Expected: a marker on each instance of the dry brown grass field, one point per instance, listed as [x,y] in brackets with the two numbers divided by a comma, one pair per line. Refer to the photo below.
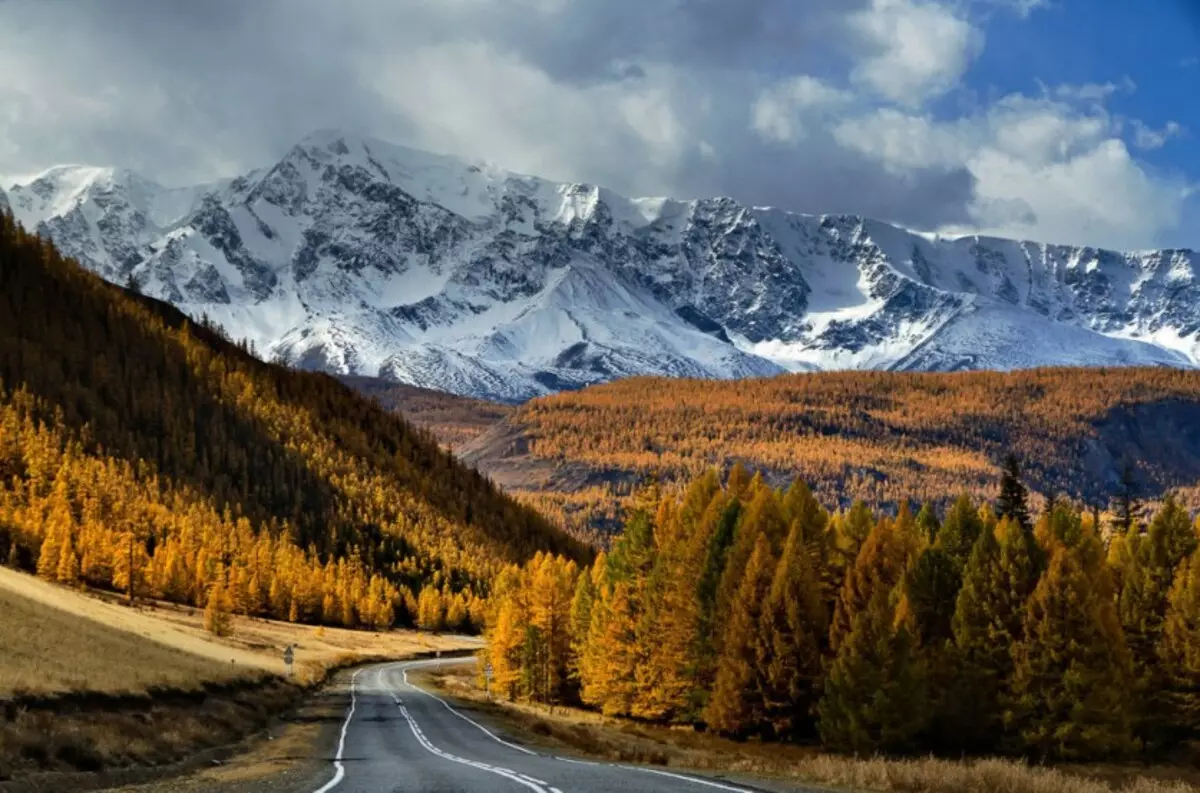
[589,734]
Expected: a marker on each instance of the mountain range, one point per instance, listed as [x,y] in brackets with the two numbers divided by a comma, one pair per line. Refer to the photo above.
[359,257]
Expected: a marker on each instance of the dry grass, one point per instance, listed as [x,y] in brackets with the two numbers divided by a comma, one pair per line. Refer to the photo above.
[57,640]
[590,734]
[49,650]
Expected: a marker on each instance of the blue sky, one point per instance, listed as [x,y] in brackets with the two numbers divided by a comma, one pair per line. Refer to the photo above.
[1072,121]
[1155,44]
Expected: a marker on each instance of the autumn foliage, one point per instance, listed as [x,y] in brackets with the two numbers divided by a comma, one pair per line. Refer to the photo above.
[878,437]
[756,612]
[148,454]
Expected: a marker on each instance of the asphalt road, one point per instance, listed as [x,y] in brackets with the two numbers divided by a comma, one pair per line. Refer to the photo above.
[398,738]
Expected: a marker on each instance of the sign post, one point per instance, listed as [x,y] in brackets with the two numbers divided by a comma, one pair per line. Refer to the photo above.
[487,680]
[288,657]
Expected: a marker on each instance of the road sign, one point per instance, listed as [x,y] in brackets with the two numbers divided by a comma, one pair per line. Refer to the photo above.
[289,656]
[487,670]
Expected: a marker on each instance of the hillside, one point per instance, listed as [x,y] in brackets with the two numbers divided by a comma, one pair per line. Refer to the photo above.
[453,420]
[356,256]
[130,435]
[874,436]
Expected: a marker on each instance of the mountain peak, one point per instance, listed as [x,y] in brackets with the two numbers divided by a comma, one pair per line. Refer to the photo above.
[360,256]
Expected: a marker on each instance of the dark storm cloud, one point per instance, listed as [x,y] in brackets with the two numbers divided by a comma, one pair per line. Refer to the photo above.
[190,90]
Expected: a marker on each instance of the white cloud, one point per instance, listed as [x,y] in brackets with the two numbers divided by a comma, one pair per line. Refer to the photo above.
[918,50]
[1094,92]
[1043,170]
[1023,8]
[1146,137]
[780,111]
[824,110]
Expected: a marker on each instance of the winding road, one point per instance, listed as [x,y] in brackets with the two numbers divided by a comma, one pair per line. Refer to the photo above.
[402,739]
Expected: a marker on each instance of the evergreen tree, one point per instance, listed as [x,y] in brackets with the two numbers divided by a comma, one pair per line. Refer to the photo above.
[927,524]
[960,530]
[878,567]
[874,696]
[218,612]
[1179,653]
[1013,502]
[737,705]
[930,591]
[794,626]
[1147,582]
[1127,501]
[1072,669]
[738,483]
[763,517]
[988,620]
[582,603]
[720,520]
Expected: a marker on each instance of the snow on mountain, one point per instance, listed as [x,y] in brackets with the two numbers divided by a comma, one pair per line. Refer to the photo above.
[360,257]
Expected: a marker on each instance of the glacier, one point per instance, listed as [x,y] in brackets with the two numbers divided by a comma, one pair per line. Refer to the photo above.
[355,256]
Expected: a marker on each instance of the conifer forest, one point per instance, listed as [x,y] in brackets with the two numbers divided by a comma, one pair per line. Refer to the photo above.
[755,612]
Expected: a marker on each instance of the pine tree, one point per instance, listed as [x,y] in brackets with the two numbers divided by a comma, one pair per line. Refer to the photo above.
[738,483]
[988,620]
[930,591]
[1127,501]
[762,518]
[879,566]
[1179,653]
[549,596]
[720,520]
[47,565]
[794,625]
[1013,502]
[875,698]
[960,530]
[737,705]
[218,612]
[67,570]
[1147,581]
[430,610]
[1072,669]
[611,656]
[927,524]
[582,604]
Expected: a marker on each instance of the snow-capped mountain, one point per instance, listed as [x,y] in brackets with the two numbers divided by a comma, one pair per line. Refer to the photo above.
[361,257]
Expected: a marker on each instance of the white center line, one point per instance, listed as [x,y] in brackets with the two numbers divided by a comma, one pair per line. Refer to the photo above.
[339,770]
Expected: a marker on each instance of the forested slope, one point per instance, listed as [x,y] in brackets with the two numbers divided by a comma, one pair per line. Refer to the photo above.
[877,436]
[130,436]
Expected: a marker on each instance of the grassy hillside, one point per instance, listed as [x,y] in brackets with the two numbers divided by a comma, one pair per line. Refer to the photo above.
[49,650]
[876,436]
[134,443]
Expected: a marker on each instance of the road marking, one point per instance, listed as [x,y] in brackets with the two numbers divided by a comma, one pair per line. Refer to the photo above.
[468,719]
[339,770]
[520,779]
[681,777]
[696,780]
